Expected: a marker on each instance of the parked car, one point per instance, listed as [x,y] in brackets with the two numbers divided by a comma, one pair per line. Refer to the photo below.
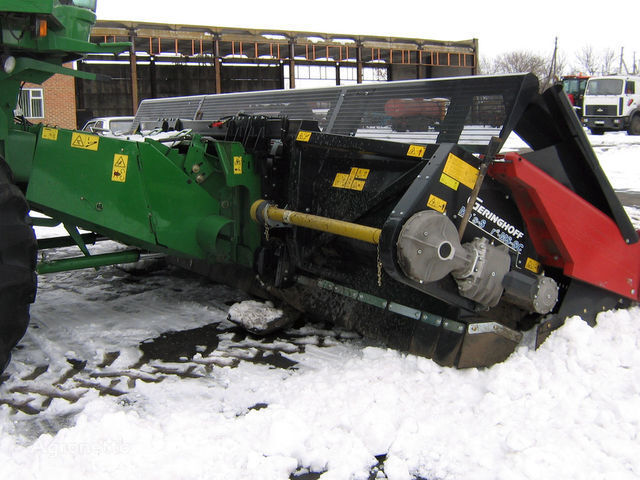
[109,125]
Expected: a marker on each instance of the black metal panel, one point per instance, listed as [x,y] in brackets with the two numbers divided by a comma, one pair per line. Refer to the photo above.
[492,211]
[474,108]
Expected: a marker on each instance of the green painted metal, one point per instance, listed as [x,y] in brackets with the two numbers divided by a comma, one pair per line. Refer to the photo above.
[44,222]
[148,195]
[59,242]
[94,261]
[192,200]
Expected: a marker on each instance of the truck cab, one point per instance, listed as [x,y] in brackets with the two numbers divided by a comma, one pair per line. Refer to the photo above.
[612,103]
[574,86]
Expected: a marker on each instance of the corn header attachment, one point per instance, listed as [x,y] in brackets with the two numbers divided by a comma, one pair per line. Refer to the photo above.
[391,208]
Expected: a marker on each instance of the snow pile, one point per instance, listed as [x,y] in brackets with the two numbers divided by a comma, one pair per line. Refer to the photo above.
[569,410]
[254,316]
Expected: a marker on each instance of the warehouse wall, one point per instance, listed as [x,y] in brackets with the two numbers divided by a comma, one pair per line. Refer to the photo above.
[59,101]
[111,95]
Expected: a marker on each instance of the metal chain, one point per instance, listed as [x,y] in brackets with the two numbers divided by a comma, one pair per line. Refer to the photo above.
[266,231]
[379,265]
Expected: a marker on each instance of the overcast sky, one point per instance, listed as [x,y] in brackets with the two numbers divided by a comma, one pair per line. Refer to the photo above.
[500,26]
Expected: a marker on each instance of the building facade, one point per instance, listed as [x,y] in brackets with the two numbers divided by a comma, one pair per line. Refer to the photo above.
[52,103]
[180,60]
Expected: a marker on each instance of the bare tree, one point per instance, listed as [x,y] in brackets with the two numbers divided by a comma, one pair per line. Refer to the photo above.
[486,66]
[607,61]
[587,61]
[596,63]
[521,62]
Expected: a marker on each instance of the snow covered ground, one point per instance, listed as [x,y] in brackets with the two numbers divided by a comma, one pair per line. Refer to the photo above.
[102,388]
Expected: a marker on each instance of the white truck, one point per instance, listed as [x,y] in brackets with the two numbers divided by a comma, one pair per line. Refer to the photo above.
[612,103]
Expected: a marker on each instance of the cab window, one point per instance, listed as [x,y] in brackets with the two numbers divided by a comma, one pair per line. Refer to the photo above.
[90,4]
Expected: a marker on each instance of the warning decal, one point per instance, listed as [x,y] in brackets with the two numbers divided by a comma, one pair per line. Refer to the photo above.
[84,141]
[532,265]
[303,136]
[237,165]
[461,171]
[449,182]
[119,171]
[354,180]
[416,151]
[50,134]
[438,204]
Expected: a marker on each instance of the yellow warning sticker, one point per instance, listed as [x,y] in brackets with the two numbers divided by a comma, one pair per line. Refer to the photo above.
[340,181]
[533,265]
[354,180]
[437,203]
[237,165]
[449,182]
[50,134]
[416,151]
[358,185]
[119,171]
[461,171]
[303,136]
[84,141]
[362,173]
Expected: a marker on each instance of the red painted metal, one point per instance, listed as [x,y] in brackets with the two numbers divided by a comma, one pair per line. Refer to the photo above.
[568,232]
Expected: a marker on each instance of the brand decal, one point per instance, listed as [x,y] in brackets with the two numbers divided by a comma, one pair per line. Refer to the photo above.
[495,226]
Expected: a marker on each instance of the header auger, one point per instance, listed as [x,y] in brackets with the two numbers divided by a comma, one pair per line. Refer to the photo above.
[433,240]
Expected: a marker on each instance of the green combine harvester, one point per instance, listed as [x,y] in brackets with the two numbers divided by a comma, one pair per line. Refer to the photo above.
[437,244]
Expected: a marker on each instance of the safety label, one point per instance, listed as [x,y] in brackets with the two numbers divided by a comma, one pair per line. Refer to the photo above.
[532,265]
[416,151]
[354,180]
[461,171]
[303,136]
[437,203]
[237,165]
[119,171]
[84,141]
[449,182]
[49,133]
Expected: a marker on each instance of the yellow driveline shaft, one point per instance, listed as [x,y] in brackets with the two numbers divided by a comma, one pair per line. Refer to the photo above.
[314,222]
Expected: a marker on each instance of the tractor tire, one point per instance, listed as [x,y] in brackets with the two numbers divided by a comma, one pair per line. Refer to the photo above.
[18,251]
[634,126]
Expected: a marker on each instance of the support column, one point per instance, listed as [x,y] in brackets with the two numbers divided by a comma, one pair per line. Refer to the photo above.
[292,65]
[476,58]
[133,63]
[217,65]
[338,73]
[153,77]
[359,64]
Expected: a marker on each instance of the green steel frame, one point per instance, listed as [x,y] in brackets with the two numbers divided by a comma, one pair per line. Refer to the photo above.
[190,199]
